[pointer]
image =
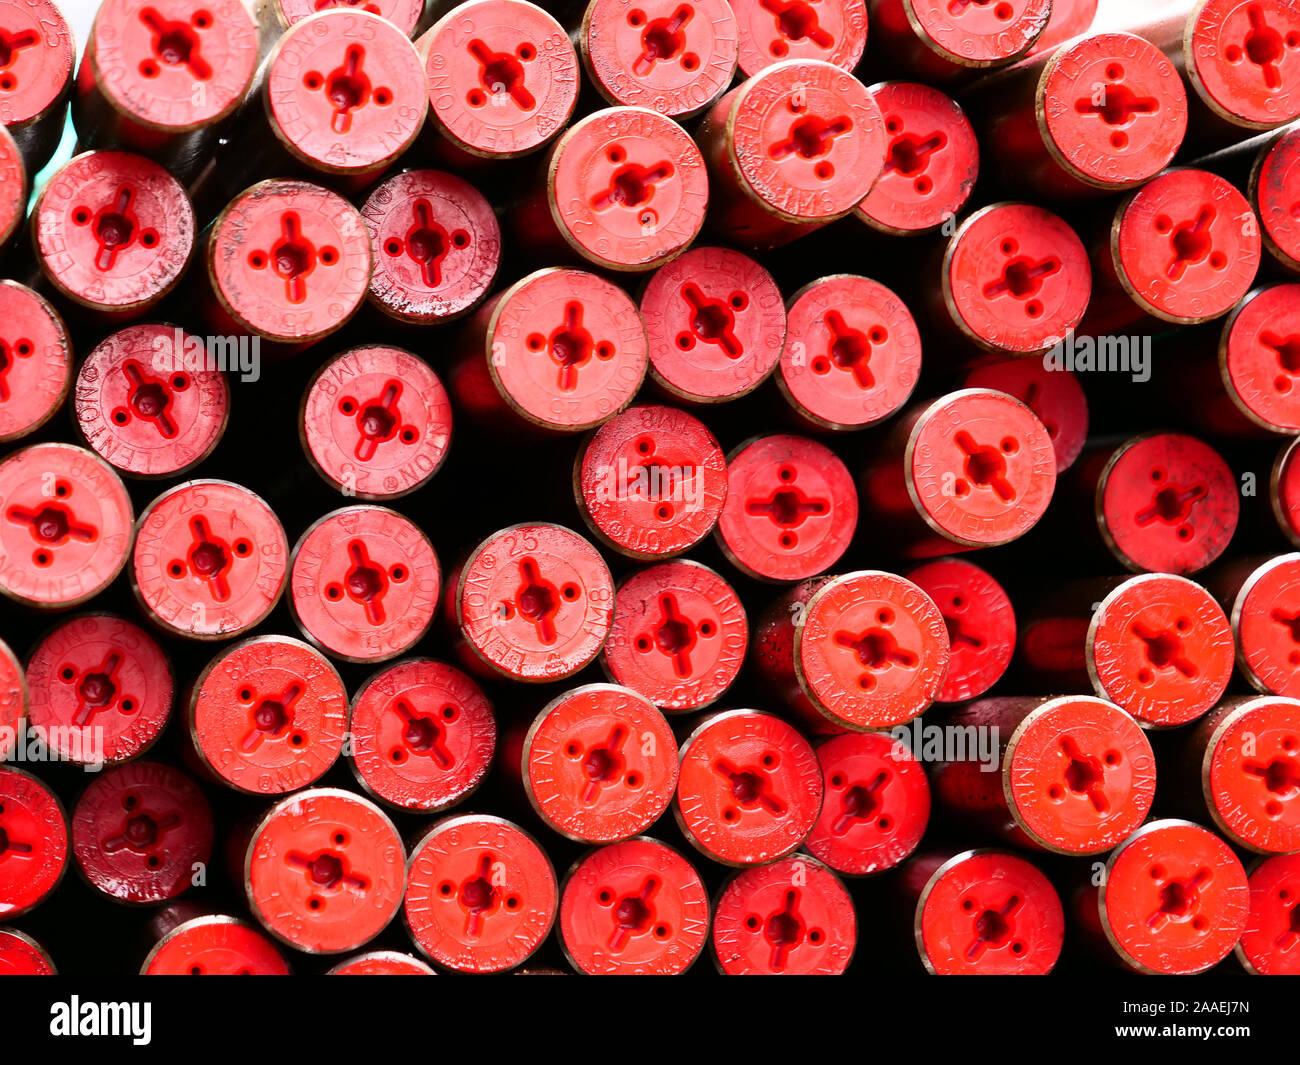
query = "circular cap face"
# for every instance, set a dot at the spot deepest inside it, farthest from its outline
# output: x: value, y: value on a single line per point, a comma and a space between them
x: 1167, y: 503
x: 423, y: 735
x: 600, y: 764
x: 436, y: 245
x: 140, y: 831
x: 481, y: 894
x: 35, y: 835
x: 628, y: 188
x: 793, y: 917
x: 1251, y: 775
x: 716, y: 325
x: 1079, y: 775
x: 834, y: 31
x: 210, y: 560
x: 1243, y: 57
x: 35, y: 360
x: 979, y: 35
x: 1112, y: 110
x: 404, y: 14
x: 40, y: 59
x: 980, y: 467
x: 633, y: 908
x: 981, y: 624
x: 364, y: 584
x: 1268, y: 946
x: 1175, y: 899
x: 670, y: 56
x: 1275, y: 190
x: 1264, y: 621
x: 807, y: 140
x: 149, y: 401
x: 268, y: 715
x: 535, y: 602
x: 325, y: 871
x: 65, y: 525
x: 651, y: 482
x: 872, y: 650
x: 376, y: 421
x: 289, y: 261
x: 502, y: 77
x: 1286, y: 492
x: 382, y: 963
x: 1055, y: 397
x: 1259, y: 357
x: 1161, y: 648
x: 113, y: 231
x: 877, y: 804
x: 1016, y: 278
x: 13, y: 699
x: 791, y: 508
x: 214, y: 945
x: 931, y: 162
x: 344, y: 91
x: 13, y: 186
x: 101, y: 688
x: 151, y: 58
x: 20, y: 955
x: 566, y: 349
x: 749, y: 790
x: 679, y: 635
x: 1180, y: 248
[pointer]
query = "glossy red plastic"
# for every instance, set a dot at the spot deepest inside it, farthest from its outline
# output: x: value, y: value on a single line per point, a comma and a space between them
x: 1284, y: 491
x: 1244, y: 60
x: 981, y: 625
x: 214, y: 945
x: 39, y: 67
x: 34, y: 830
x: 13, y: 699
x: 1265, y: 615
x: 968, y: 38
x: 20, y: 955
x: 1055, y: 396
x: 382, y: 963
x: 1268, y: 946
x: 1275, y: 189
x: 834, y: 31
x: 13, y: 186
x: 1259, y: 362
x: 1069, y: 18
x: 35, y: 361
x: 404, y: 14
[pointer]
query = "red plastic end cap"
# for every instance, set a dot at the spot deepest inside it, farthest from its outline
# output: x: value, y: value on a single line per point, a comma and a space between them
x: 1182, y: 249
x: 877, y: 804
x: 791, y: 509
x: 214, y: 945
x: 436, y: 245
x: 139, y: 832
x: 1285, y: 491
x: 1167, y: 503
x: 40, y: 59
x: 749, y: 790
x: 1251, y: 775
x: 210, y: 560
x: 535, y: 602
x: 1112, y: 110
x: 66, y: 525
x: 979, y: 35
x: 679, y: 635
x: 566, y: 349
x: 651, y: 482
x: 146, y: 403
x: 834, y: 31
x: 1055, y: 396
x: 1244, y: 60
x: 981, y: 625
x: 1069, y: 18
x: 793, y: 917
x: 932, y: 161
x: 1255, y: 360
x: 113, y: 231
x: 716, y: 325
x: 101, y: 688
x: 673, y: 57
x: 376, y: 422
x: 423, y: 735
x: 1263, y: 621
x: 981, y: 468
x: 150, y: 58
x: 871, y: 650
x: 1276, y: 188
x: 20, y: 955
x: 13, y: 699
x: 268, y: 715
x: 502, y: 77
x: 807, y: 140
x: 989, y: 913
x: 599, y: 763
x: 35, y: 831
x: 382, y: 963
x: 1175, y: 899
x: 325, y: 871
x: 404, y: 14
x: 635, y: 907
x: 1079, y: 775
x: 481, y: 894
x: 1160, y: 647
x: 13, y: 186
x: 289, y: 261
x: 37, y: 365
x: 1268, y: 946
x: 344, y: 92
x: 1016, y: 278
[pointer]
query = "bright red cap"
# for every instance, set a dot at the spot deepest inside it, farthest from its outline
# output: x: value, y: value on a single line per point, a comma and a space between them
x: 13, y: 699
x: 772, y: 30
x: 979, y: 35
x: 13, y: 186
x: 1244, y: 60
x: 37, y: 361
x: 20, y: 955
x: 40, y: 59
x: 404, y: 14
x: 34, y: 831
x: 1269, y: 946
x: 1276, y: 186
x: 1250, y: 775
x: 1285, y: 494
x: 1055, y: 396
x: 981, y: 625
x: 382, y: 963
x: 1266, y: 622
x: 214, y: 945
x: 1256, y: 359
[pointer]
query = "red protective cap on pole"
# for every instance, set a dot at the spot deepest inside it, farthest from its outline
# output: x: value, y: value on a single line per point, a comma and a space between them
x: 37, y: 358
x: 214, y: 945
x: 1264, y: 621
x: 1055, y: 396
x: 20, y: 955
x: 981, y: 625
x: 1268, y: 946
x: 34, y: 830
x: 1244, y: 60
x: 382, y: 963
